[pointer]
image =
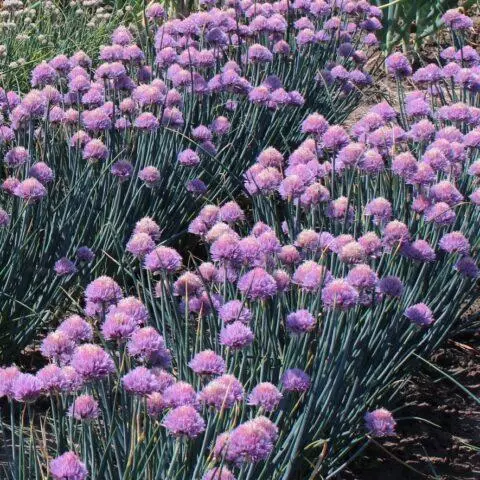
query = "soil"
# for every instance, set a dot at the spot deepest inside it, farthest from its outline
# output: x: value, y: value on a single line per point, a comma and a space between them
x: 452, y: 449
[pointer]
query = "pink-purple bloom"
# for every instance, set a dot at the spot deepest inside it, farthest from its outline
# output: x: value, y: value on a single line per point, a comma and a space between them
x: 380, y: 423
x: 68, y: 467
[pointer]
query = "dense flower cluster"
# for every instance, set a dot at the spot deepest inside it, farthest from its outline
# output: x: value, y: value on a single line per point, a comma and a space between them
x: 161, y: 113
x: 299, y: 302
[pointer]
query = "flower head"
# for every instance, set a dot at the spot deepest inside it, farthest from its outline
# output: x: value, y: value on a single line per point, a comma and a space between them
x: 68, y: 467
x: 236, y: 335
x: 163, y: 258
x: 339, y: 294
x: 380, y: 423
x: 85, y: 407
x: 266, y: 396
x: 184, y: 421
x: 140, y: 381
x: 257, y: 284
x: 295, y: 380
x: 92, y: 362
x: 26, y: 387
x: 222, y: 392
x: 208, y: 362
x: 420, y: 314
x: 301, y: 321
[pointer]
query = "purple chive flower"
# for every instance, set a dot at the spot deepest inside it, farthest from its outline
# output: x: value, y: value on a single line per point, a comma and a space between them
x: 30, y: 190
x: 440, y: 213
x: 140, y: 381
x: 339, y: 209
x: 352, y: 252
x: 149, y: 226
x: 79, y: 139
x: 250, y: 442
x: 455, y: 242
x: 57, y: 346
x: 196, y: 187
x: 270, y: 157
x: 51, y: 378
x: 420, y: 314
x: 289, y: 255
x: 315, y: 124
x: 391, y: 286
x: 179, y: 394
x: 222, y: 392
x: 202, y: 133
x: 404, y: 165
x: 265, y: 395
x: 140, y: 244
x: 76, y: 329
x: 301, y: 321
x: 64, y: 266
x: 16, y: 157
x: 133, y: 307
x: 85, y: 254
x: 118, y: 325
x: 219, y: 473
x: 42, y: 172
x: 380, y: 423
x: 103, y: 291
x: 444, y: 191
x: 68, y: 467
x: 26, y: 387
x: 145, y: 342
x: 7, y: 378
x: 188, y: 158
x: 257, y: 284
x: 155, y: 11
x: 236, y: 335
x: 310, y: 276
x: 398, y: 65
x: 225, y: 248
x: 335, y: 138
x: 259, y: 54
x: 395, y: 233
x: 220, y: 126
x: 43, y: 74
x: 184, y: 421
x: 380, y: 209
x: 155, y: 404
x: 150, y: 175
x: 235, y: 310
x: 208, y: 362
x: 371, y: 244
x: 187, y: 284
x: 92, y: 362
x: 475, y: 197
x: 72, y: 380
x: 147, y: 122
x: 362, y: 277
x: 466, y: 266
x: 456, y: 20
x: 419, y: 250
x: 282, y: 279
x: 96, y: 120
x: 4, y: 218
x: 338, y: 294
x: 163, y: 258
x: 122, y: 169
x: 95, y: 151
x: 231, y: 213
x: 85, y: 407
x: 295, y: 380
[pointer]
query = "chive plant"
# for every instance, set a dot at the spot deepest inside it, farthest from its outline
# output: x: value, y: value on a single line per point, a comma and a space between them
x: 164, y: 120
x: 275, y: 356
